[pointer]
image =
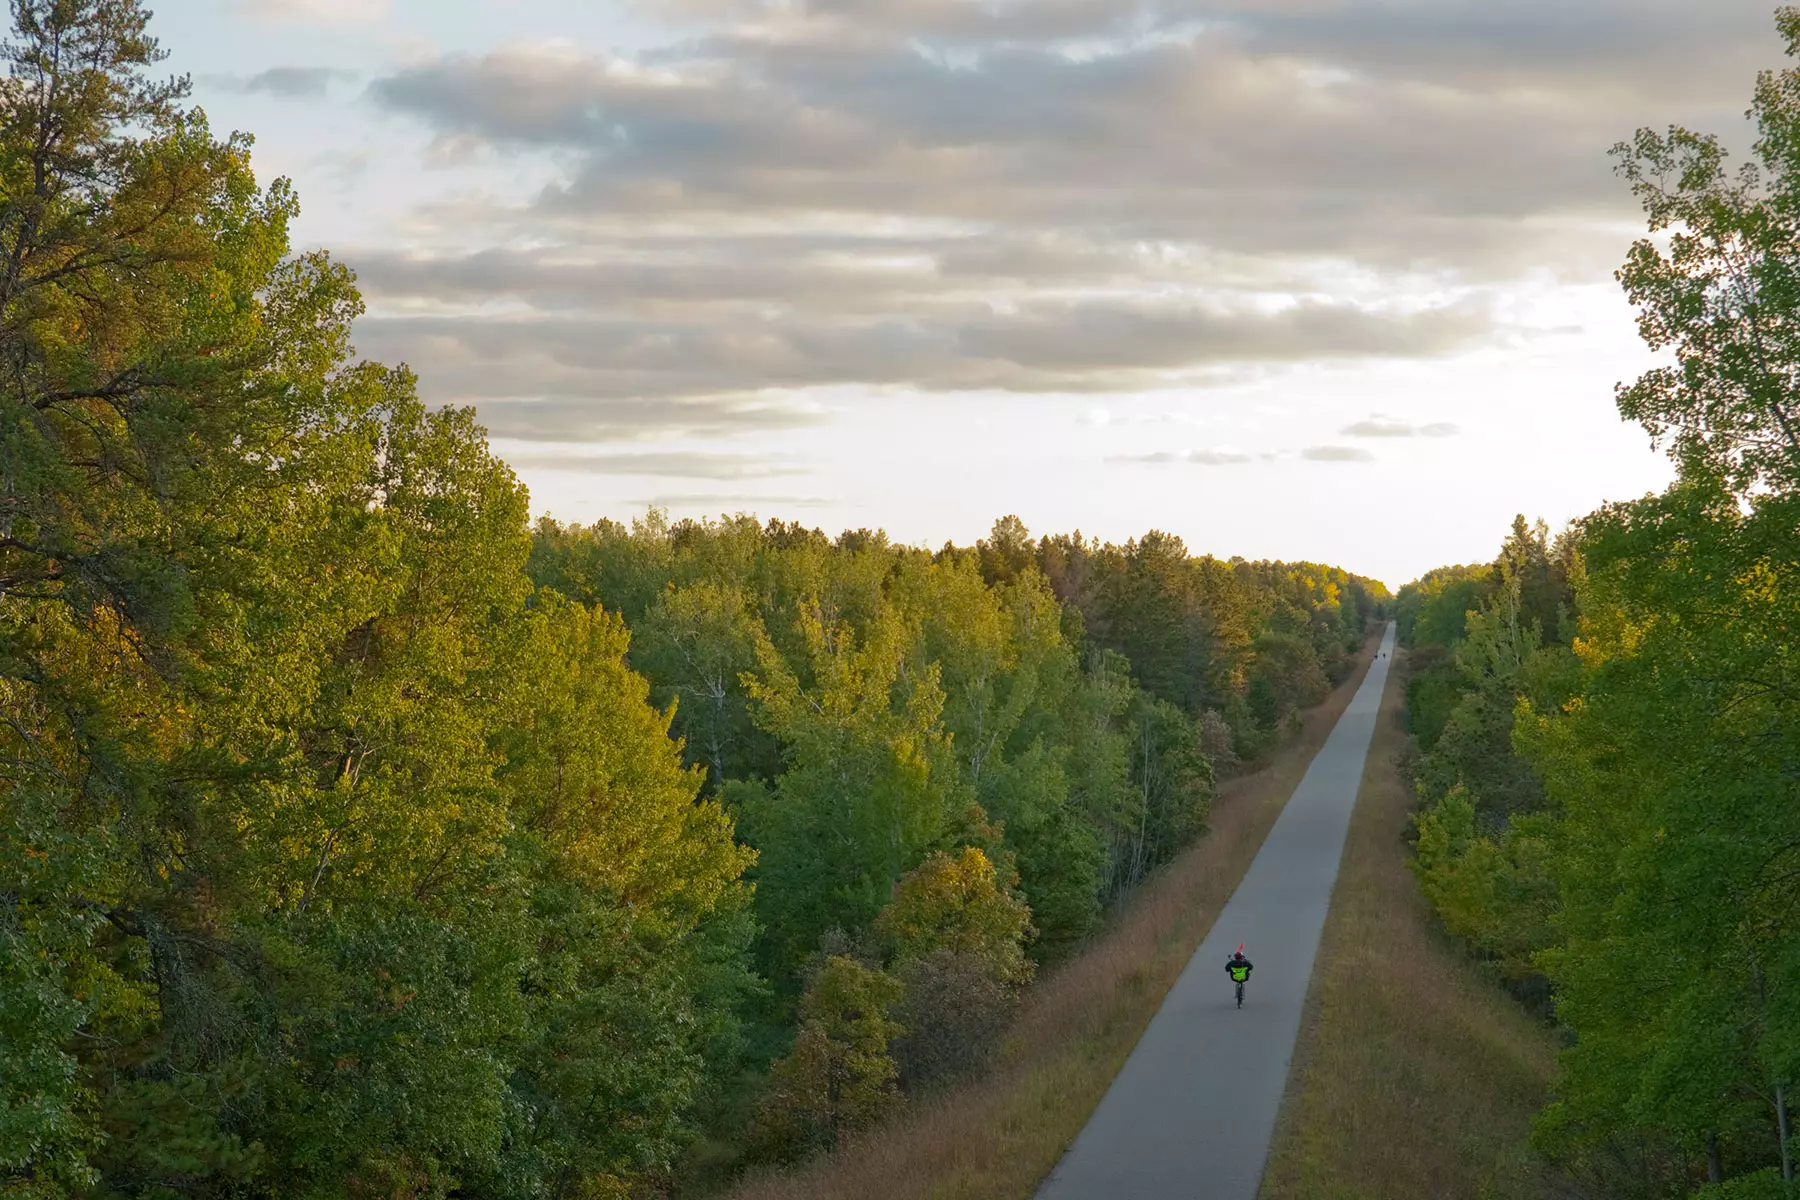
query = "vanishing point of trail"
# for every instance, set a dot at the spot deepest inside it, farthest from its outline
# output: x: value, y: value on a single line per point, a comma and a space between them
x: 1193, y: 1109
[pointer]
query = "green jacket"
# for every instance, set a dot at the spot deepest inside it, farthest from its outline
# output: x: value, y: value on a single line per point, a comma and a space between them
x: 1239, y: 971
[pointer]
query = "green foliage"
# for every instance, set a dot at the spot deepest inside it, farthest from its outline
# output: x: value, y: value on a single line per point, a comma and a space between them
x: 1673, y: 775
x: 350, y: 847
x: 1495, y: 892
x: 955, y: 936
x: 1721, y: 296
x: 1172, y: 789
x: 860, y: 705
x: 839, y: 1077
x: 331, y: 863
x: 1673, y: 771
x: 957, y: 903
x: 1430, y: 611
x: 1646, y: 773
x: 871, y: 782
x: 701, y: 639
x: 1766, y: 1184
x: 1484, y: 835
x: 1433, y: 687
x: 1189, y: 626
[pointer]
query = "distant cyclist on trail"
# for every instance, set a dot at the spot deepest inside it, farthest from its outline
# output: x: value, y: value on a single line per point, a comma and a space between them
x: 1239, y: 968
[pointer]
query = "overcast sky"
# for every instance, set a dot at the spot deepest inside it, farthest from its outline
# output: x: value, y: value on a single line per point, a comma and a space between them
x: 1321, y: 279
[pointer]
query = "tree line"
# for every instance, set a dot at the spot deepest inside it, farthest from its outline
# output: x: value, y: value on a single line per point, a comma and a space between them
x: 360, y: 838
x: 1607, y: 724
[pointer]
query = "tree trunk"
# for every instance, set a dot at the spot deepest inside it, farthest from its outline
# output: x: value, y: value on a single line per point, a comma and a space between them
x: 1781, y: 1124
x: 1715, y: 1169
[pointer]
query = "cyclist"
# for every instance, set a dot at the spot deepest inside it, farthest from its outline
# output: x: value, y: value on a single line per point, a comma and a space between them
x: 1239, y: 968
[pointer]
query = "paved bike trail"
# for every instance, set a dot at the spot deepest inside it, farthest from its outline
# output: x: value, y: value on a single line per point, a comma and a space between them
x: 1192, y: 1111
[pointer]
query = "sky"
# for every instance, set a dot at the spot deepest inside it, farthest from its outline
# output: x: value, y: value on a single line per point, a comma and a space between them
x: 1302, y: 279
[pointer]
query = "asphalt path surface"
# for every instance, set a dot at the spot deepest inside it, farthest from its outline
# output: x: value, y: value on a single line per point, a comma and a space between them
x: 1192, y: 1112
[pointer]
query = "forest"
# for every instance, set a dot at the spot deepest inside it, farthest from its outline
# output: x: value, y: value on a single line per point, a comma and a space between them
x: 1606, y: 725
x: 362, y: 837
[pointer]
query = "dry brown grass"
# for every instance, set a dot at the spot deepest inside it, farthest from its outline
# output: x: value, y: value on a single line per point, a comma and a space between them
x: 1415, y: 1076
x: 998, y: 1136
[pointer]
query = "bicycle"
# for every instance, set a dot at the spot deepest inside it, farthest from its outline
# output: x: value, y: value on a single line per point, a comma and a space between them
x: 1239, y: 970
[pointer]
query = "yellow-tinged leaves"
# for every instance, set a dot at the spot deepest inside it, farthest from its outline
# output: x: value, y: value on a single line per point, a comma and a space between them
x: 591, y: 768
x: 957, y: 902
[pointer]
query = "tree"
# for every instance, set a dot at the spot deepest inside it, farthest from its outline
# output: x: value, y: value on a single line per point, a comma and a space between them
x: 1173, y: 778
x: 325, y: 858
x: 839, y: 1077
x: 1723, y: 295
x: 961, y: 904
x: 590, y: 770
x: 870, y: 787
x: 1673, y: 855
x: 1431, y: 610
x: 955, y: 936
x: 1671, y: 774
x: 1008, y: 552
x: 170, y: 405
x: 699, y: 640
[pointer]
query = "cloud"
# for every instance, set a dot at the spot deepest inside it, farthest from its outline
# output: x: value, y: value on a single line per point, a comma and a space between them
x: 586, y: 418
x: 1104, y: 416
x: 1668, y: 46
x: 1191, y: 140
x: 346, y: 167
x: 1262, y: 131
x: 1664, y: 42
x: 677, y: 464
x: 694, y: 371
x: 1204, y: 458
x: 318, y: 12
x: 1378, y: 426
x: 289, y: 83
x: 1031, y: 196
x: 1012, y: 20
x: 837, y: 272
x: 1336, y: 454
x: 733, y: 504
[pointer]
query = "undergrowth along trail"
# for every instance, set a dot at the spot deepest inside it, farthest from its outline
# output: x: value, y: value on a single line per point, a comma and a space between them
x: 1415, y: 1075
x: 997, y: 1136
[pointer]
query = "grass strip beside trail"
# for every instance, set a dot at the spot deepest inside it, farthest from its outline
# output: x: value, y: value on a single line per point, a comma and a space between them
x: 997, y: 1136
x: 1415, y: 1075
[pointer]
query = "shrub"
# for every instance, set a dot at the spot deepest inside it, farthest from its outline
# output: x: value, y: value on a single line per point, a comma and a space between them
x: 954, y: 1010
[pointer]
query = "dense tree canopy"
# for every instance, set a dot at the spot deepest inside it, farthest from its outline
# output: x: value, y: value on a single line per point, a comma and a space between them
x: 357, y: 839
x: 1607, y: 729
x: 861, y: 704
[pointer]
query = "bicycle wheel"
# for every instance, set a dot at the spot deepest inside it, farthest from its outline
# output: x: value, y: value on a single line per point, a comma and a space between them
x: 1240, y: 995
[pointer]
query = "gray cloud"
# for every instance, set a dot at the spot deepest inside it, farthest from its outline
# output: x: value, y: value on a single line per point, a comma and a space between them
x: 581, y: 417
x: 944, y: 20
x: 1236, y: 133
x: 588, y: 376
x: 833, y: 272
x: 1414, y: 38
x: 290, y: 83
x: 317, y: 12
x: 1670, y: 47
x: 675, y: 464
x: 1172, y: 140
x: 733, y: 505
x: 1204, y: 458
x: 1390, y: 427
x: 1055, y: 196
x: 1336, y: 454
